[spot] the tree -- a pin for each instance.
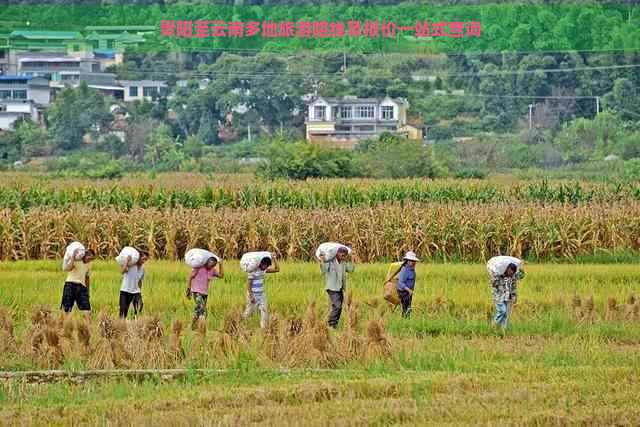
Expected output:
(31, 138)
(196, 112)
(302, 160)
(623, 99)
(137, 136)
(395, 157)
(76, 112)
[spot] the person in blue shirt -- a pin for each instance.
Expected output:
(407, 282)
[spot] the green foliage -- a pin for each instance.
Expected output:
(76, 112)
(632, 170)
(162, 153)
(111, 144)
(582, 138)
(471, 173)
(629, 146)
(394, 157)
(95, 166)
(193, 147)
(302, 160)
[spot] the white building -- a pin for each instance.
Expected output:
(137, 90)
(348, 120)
(10, 111)
(21, 88)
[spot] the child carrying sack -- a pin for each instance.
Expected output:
(196, 258)
(329, 250)
(390, 288)
(251, 260)
(128, 251)
(68, 260)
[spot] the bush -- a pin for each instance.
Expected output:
(84, 164)
(631, 171)
(394, 157)
(471, 173)
(111, 144)
(302, 160)
(629, 146)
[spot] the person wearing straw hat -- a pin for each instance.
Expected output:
(407, 282)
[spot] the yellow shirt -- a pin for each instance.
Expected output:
(79, 272)
(394, 269)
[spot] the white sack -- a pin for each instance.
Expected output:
(329, 250)
(496, 266)
(68, 260)
(128, 251)
(251, 260)
(196, 258)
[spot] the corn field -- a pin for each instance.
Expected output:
(312, 194)
(436, 231)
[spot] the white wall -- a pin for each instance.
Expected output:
(389, 103)
(7, 119)
(320, 102)
(39, 94)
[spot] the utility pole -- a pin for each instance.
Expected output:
(597, 105)
(344, 62)
(249, 132)
(530, 116)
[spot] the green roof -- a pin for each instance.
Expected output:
(121, 28)
(62, 35)
(122, 37)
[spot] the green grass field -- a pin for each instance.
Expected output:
(561, 361)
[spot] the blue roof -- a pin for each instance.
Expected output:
(15, 78)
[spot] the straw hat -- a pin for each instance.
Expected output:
(411, 256)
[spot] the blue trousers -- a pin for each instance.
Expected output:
(503, 310)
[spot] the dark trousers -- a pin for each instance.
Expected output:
(126, 299)
(336, 298)
(75, 293)
(405, 299)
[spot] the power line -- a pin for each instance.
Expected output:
(333, 75)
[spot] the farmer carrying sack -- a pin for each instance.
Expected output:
(130, 252)
(390, 291)
(76, 248)
(496, 266)
(329, 250)
(196, 258)
(251, 260)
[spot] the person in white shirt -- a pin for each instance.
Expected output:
(256, 298)
(131, 289)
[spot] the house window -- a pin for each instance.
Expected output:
(320, 112)
(110, 44)
(149, 91)
(19, 94)
(95, 68)
(346, 112)
(5, 94)
(365, 128)
(364, 112)
(387, 112)
(133, 91)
